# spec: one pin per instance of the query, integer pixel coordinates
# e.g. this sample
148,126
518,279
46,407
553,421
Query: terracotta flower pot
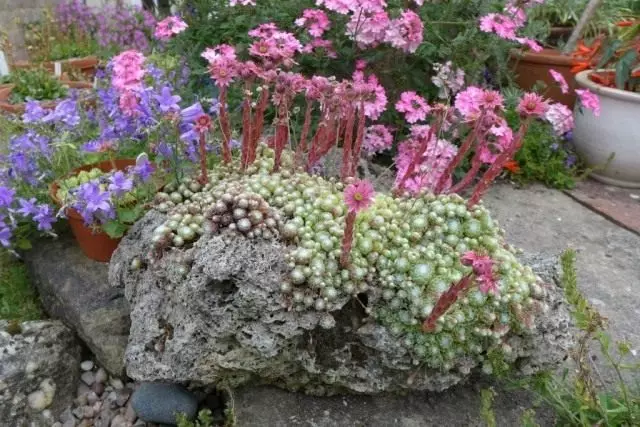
5,93
87,65
531,67
96,245
616,131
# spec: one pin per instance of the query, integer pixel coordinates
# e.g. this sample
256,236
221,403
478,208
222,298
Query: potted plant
610,68
37,84
101,201
559,18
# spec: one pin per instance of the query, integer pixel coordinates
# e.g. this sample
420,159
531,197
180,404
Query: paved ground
536,219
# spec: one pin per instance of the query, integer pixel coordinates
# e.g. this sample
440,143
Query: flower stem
204,177
224,126
446,300
347,239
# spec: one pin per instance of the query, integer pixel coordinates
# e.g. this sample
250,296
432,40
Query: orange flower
512,166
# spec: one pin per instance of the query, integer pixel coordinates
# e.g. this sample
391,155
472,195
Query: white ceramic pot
616,130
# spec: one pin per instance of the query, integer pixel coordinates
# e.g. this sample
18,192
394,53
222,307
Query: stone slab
619,205
75,290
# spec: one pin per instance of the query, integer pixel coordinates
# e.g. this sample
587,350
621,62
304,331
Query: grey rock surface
38,371
160,403
224,323
75,290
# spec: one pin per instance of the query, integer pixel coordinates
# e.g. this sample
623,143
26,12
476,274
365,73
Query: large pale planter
616,131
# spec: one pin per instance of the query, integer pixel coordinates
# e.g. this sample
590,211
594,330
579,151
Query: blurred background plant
38,84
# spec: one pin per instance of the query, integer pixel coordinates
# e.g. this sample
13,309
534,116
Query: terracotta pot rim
547,56
582,78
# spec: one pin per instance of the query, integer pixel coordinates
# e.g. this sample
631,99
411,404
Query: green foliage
18,299
72,49
37,84
577,400
487,396
205,419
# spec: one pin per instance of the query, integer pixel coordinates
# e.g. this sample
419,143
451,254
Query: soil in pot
531,67
95,244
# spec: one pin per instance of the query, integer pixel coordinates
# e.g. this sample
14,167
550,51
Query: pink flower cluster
482,266
223,65
377,138
315,21
414,107
274,47
560,117
473,101
127,70
169,27
589,100
431,163
506,24
376,102
369,29
405,32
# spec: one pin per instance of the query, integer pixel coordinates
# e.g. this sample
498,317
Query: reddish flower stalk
302,143
494,170
347,144
247,136
446,300
202,126
462,151
225,127
258,123
282,134
347,239
476,164
359,137
424,143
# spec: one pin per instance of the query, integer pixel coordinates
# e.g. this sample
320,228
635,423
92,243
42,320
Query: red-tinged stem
359,138
282,133
302,144
462,151
224,126
424,143
247,136
494,170
258,123
476,164
347,144
204,177
347,239
446,300
311,158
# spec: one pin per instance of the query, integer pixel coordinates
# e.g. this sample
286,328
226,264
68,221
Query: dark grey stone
75,290
160,403
43,359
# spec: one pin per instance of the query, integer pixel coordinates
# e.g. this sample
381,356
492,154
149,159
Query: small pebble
69,423
130,413
123,396
79,412
634,196
98,388
87,365
57,424
97,406
88,378
37,400
92,398
101,376
116,383
66,415
88,412
119,421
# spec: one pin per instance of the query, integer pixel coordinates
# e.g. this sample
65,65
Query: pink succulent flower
492,100
169,27
589,100
223,71
315,20
482,266
559,78
414,107
359,195
532,105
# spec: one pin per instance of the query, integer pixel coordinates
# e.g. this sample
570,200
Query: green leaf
129,215
114,229
624,68
23,244
609,52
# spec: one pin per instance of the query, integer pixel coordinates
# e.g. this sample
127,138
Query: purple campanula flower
45,217
568,136
65,112
33,112
215,107
5,235
120,184
99,146
143,169
6,196
164,150
191,113
554,147
93,203
570,161
167,102
27,207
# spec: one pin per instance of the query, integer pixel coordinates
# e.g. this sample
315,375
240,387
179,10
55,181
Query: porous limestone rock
38,371
213,313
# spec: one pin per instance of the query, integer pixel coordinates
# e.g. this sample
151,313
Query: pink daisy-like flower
223,71
263,48
560,117
559,78
414,107
532,105
492,100
221,51
589,100
377,138
359,195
